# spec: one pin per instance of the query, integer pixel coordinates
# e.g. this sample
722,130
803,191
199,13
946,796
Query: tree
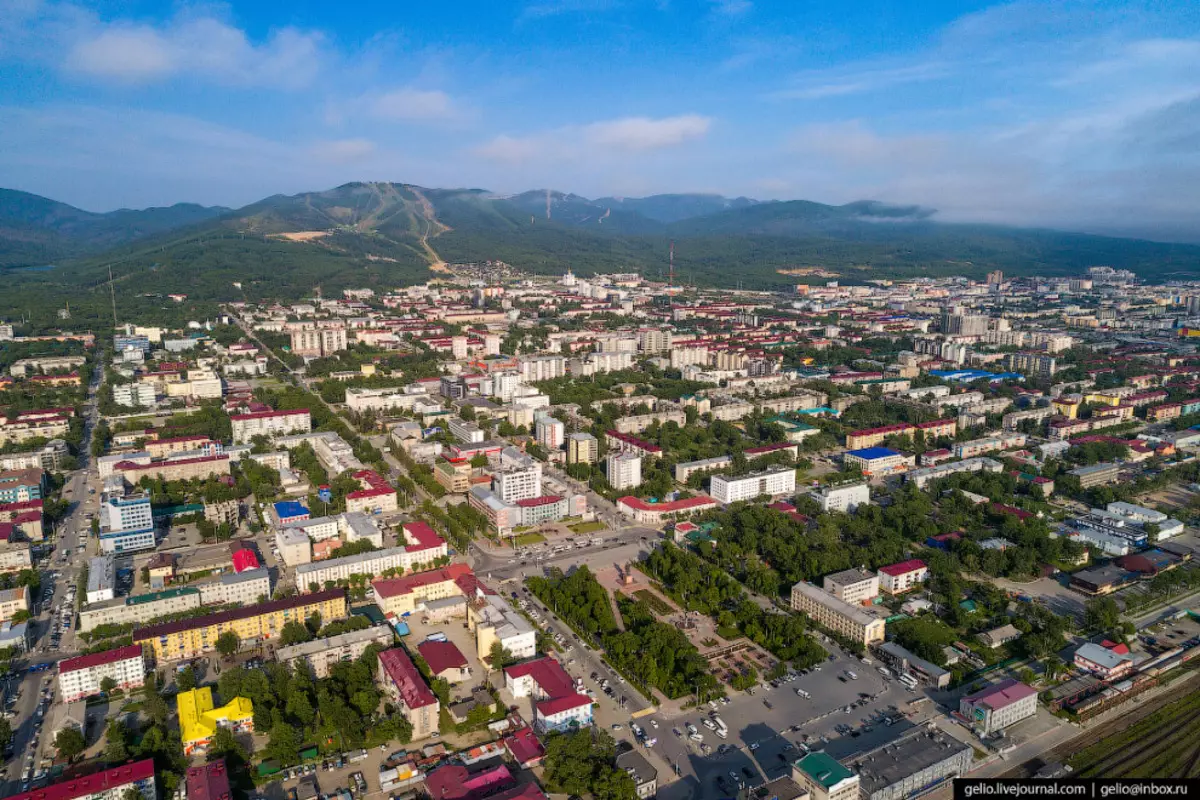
185,679
229,643
294,633
70,743
107,684
499,656
153,705
131,793
116,743
1101,614
6,733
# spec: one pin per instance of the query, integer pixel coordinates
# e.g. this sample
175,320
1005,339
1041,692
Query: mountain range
381,233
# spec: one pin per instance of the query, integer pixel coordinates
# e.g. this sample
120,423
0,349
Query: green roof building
825,778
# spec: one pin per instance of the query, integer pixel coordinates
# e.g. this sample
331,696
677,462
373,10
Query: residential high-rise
550,433
624,470
314,341
582,448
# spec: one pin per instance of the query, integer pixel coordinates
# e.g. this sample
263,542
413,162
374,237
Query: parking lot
768,729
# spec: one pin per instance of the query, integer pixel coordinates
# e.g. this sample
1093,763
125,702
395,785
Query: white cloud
643,133
626,135
414,105
195,44
860,79
134,54
343,151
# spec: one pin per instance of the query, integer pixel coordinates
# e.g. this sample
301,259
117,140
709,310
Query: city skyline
1077,115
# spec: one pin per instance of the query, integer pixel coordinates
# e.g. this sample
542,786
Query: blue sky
1082,115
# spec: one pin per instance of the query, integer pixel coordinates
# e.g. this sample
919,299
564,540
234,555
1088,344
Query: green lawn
526,539
589,527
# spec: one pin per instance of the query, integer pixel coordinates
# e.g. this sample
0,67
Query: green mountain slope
386,234
35,230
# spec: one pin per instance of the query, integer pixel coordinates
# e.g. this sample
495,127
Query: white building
132,395
550,433
852,586
295,548
129,513
624,470
999,706
899,578
245,588
82,677
424,547
769,482
102,579
269,424
493,619
519,483
843,498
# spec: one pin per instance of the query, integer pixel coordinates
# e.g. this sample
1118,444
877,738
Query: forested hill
385,234
35,230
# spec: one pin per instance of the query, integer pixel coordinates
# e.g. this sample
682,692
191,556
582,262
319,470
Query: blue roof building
290,511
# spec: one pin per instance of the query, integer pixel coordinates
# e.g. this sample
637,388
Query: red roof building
445,661
525,748
244,559
409,686
657,513
209,782
98,659
107,785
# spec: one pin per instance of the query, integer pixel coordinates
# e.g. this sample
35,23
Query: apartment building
623,470
318,341
82,677
102,579
989,444
771,482
582,448
519,482
844,619
21,485
1096,475
109,784
1037,365
926,475
404,595
423,546
245,588
402,684
853,586
134,395
269,424
322,654
189,638
900,578
550,433
493,620
843,498
139,608
12,601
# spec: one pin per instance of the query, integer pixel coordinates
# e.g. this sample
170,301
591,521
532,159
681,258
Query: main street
29,710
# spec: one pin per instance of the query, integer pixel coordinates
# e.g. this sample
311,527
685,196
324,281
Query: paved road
28,744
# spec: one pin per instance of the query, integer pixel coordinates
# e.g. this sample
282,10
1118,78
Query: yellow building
1103,399
404,595
189,638
198,720
1066,407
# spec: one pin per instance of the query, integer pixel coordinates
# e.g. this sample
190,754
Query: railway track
1146,750
1191,767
